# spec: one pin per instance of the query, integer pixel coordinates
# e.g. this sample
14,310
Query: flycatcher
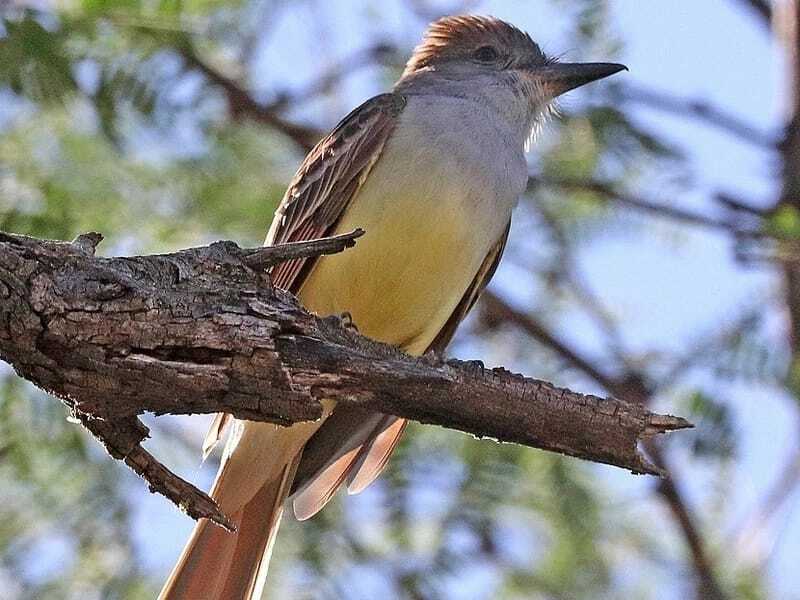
431,172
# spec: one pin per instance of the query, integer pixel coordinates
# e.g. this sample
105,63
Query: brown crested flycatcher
431,171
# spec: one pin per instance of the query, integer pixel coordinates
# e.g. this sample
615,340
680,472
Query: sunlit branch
785,485
790,170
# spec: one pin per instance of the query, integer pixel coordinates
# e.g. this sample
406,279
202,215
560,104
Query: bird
431,171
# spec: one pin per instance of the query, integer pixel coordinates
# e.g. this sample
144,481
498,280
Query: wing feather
482,278
329,178
326,182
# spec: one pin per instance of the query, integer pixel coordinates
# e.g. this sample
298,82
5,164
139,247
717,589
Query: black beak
563,77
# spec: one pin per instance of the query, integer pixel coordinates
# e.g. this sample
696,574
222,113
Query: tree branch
380,53
495,310
700,110
644,205
241,102
202,331
751,538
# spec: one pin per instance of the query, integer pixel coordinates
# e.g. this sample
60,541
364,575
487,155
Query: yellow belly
405,276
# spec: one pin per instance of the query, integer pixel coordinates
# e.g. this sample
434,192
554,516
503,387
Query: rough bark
203,331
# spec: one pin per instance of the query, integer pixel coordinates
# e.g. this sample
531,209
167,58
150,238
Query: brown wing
317,196
328,179
482,278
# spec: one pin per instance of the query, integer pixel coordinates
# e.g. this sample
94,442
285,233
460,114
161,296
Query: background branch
700,110
761,8
631,386
642,204
241,102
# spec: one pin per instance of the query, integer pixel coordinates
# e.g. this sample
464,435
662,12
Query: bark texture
203,331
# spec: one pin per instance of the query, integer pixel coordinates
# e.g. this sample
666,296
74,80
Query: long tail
253,482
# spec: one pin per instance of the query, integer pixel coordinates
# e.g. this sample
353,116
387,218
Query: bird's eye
485,54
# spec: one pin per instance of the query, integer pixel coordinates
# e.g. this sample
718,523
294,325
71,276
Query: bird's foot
434,358
344,320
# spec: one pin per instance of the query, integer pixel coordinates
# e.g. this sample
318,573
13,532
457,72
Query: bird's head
492,60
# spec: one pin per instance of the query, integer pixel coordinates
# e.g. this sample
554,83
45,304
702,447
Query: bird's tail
253,482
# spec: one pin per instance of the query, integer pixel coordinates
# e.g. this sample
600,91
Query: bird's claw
345,321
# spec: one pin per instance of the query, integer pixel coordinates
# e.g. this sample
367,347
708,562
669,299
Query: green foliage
59,486
35,61
61,181
785,222
628,145
714,435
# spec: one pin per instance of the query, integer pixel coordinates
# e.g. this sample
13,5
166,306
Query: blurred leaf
625,141
714,434
784,222
34,61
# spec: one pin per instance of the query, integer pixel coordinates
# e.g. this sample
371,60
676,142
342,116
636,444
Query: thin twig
700,110
332,77
785,485
637,202
269,256
426,11
567,270
762,9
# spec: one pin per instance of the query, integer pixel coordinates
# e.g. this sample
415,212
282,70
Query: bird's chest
432,208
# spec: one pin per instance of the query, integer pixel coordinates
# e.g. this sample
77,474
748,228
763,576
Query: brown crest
450,37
